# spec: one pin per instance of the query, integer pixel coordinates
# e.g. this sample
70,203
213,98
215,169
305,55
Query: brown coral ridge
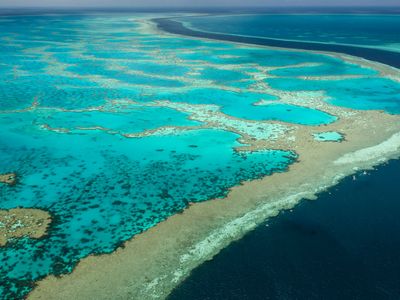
8,178
23,222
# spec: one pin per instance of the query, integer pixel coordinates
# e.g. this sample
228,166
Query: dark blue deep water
371,36
363,30
345,245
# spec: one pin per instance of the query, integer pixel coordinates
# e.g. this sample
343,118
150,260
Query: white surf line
236,228
378,152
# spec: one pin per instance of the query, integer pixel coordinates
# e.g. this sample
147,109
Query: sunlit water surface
81,100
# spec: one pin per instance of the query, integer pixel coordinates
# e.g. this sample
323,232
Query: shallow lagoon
328,136
101,187
334,67
374,93
243,105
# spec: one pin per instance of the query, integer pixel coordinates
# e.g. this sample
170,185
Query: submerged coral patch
328,136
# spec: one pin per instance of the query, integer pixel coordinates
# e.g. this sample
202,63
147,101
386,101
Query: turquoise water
264,57
222,76
333,67
328,136
374,93
74,99
102,190
379,31
242,105
133,120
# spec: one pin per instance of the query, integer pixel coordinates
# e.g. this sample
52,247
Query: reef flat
122,131
20,222
9,178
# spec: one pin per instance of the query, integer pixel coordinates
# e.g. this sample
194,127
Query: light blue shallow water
103,188
242,105
328,136
333,67
137,119
263,57
374,93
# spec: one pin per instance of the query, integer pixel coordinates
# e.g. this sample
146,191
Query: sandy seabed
151,264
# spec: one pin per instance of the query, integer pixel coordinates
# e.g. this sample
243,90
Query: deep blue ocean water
364,30
326,30
344,245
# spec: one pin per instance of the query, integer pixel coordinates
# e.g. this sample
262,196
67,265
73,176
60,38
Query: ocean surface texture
342,246
368,30
112,127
